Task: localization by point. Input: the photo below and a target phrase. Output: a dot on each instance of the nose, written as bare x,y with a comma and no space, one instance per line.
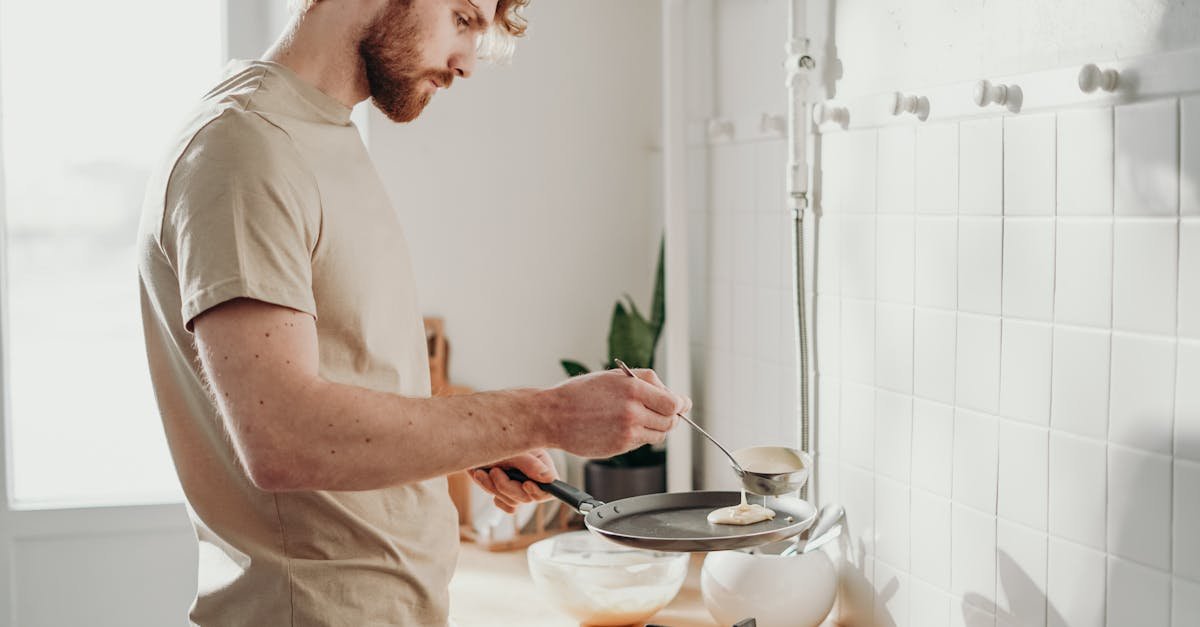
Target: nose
463,62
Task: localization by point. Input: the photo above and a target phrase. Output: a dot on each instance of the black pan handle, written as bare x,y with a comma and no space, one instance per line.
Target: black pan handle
579,500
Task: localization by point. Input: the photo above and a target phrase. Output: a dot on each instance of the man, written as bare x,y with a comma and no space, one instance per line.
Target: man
286,346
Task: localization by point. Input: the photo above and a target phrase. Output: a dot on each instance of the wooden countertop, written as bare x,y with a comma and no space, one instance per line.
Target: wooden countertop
495,589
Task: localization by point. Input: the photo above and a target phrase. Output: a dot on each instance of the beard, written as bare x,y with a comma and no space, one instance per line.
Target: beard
391,54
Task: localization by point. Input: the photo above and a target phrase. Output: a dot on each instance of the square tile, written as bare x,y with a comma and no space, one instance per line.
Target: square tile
895,258
894,347
1078,489
1145,256
936,280
744,243
827,347
937,169
834,164
891,595
1139,506
720,317
1074,585
934,335
733,178
1025,371
979,259
1186,546
857,271
1085,162
1189,278
931,538
720,265
933,447
1189,188
897,153
1187,403
766,313
1137,595
928,606
1029,165
893,435
977,371
859,187
973,556
769,264
858,425
981,167
1185,603
1021,574
1079,397
1028,280
1147,159
1023,473
892,521
858,497
973,615
1083,272
858,340
976,439
828,253
828,417
1143,392
770,183
743,319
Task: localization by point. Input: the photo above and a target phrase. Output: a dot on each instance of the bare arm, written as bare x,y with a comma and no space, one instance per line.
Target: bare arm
294,430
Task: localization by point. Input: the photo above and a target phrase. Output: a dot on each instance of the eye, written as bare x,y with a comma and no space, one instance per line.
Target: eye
461,21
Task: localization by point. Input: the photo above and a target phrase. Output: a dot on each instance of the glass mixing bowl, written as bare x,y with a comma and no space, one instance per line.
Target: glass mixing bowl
602,583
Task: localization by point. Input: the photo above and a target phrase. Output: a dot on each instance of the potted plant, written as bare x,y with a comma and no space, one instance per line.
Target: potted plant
632,339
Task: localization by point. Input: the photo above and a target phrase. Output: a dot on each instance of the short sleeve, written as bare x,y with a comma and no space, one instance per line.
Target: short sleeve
242,218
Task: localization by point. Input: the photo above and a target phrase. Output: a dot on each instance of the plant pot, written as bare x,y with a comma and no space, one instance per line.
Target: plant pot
609,483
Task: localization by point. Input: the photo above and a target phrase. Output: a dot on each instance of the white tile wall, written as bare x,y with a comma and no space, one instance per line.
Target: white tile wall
1005,406
1054,434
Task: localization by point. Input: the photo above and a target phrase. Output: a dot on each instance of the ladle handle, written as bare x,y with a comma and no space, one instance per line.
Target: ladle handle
736,465
579,500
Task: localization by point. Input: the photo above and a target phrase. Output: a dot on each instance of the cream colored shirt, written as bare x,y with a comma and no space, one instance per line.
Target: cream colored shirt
269,194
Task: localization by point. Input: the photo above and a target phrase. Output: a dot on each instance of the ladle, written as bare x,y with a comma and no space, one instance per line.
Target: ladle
760,483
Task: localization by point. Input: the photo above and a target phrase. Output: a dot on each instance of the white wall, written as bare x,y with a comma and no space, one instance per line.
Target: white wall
530,192
1006,318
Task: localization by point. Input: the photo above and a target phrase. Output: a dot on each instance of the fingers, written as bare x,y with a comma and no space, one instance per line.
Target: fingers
535,467
657,398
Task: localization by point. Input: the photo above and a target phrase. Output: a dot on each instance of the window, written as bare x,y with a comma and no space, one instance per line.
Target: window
90,95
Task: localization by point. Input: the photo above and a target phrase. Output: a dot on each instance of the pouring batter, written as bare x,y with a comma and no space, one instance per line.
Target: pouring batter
743,514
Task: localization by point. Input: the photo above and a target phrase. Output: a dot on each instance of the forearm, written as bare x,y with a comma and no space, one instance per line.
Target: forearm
341,437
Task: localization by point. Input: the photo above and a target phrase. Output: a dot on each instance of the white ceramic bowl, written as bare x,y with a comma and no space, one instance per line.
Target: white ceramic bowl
602,583
793,591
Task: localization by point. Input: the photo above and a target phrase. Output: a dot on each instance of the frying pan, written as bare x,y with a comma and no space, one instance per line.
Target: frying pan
678,521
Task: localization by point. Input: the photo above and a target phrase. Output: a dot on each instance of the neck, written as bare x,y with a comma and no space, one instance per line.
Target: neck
321,47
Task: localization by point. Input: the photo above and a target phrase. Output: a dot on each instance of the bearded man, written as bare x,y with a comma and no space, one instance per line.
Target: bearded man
286,345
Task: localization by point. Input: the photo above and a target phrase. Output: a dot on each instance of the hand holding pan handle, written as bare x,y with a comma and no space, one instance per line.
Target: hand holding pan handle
579,500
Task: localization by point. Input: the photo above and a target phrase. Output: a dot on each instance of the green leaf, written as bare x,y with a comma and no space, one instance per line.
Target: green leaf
630,338
658,308
574,368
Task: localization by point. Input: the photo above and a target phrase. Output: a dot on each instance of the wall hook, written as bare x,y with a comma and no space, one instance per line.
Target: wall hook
916,105
773,124
719,129
1091,78
987,93
825,112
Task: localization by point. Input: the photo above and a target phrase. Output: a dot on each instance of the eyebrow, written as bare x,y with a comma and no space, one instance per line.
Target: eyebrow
480,18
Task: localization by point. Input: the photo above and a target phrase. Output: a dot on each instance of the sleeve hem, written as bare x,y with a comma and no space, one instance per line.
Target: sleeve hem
223,291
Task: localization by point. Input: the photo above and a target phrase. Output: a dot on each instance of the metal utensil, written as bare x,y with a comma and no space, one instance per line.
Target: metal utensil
827,527
761,483
732,459
679,521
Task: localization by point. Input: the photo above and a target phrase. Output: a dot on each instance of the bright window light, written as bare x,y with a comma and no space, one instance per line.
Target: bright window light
91,95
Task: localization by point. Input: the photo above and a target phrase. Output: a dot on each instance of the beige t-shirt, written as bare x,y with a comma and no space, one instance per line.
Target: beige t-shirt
269,194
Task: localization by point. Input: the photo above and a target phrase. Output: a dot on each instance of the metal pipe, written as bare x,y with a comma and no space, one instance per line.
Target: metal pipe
799,64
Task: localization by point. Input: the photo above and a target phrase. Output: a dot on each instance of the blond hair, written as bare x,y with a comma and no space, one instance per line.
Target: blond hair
497,45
